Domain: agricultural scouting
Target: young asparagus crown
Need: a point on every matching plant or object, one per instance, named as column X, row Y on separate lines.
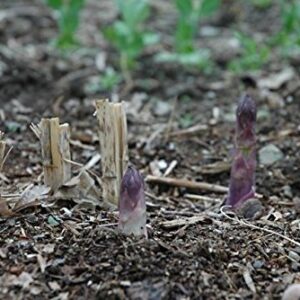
column 132, row 206
column 246, row 112
column 245, row 122
column 242, row 177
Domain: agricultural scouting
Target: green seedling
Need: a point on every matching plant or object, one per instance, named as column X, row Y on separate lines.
column 190, row 13
column 288, row 38
column 128, row 34
column 200, row 59
column 68, row 12
column 253, row 56
column 109, row 79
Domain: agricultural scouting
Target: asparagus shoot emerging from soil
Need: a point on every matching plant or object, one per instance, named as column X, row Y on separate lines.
column 242, row 177
column 132, row 206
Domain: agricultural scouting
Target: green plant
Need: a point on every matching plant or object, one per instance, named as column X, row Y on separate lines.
column 200, row 59
column 189, row 14
column 68, row 20
column 288, row 38
column 186, row 120
column 109, row 79
column 105, row 82
column 253, row 55
column 290, row 16
column 262, row 4
column 128, row 34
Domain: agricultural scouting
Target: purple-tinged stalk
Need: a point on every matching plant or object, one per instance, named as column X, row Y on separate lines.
column 132, row 206
column 242, row 177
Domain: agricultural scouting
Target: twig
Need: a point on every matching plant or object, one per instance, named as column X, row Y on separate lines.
column 84, row 168
column 5, row 158
column 249, row 281
column 189, row 131
column 187, row 184
column 170, row 168
column 247, row 224
column 202, row 198
column 36, row 130
column 183, row 221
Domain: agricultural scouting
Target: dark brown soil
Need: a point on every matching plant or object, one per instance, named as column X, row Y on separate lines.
column 80, row 254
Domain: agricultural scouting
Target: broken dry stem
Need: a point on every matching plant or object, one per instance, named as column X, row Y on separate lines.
column 56, row 154
column 113, row 147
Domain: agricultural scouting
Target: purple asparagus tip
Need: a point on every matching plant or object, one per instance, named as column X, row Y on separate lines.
column 245, row 122
column 132, row 206
column 246, row 112
column 242, row 176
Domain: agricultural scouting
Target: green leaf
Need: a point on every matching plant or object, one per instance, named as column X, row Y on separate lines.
column 68, row 21
column 150, row 38
column 55, row 4
column 110, row 79
column 166, row 57
column 184, row 36
column 208, row 7
column 185, row 7
column 199, row 59
column 127, row 34
column 262, row 4
column 133, row 12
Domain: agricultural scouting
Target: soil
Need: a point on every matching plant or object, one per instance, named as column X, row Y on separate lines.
column 70, row 250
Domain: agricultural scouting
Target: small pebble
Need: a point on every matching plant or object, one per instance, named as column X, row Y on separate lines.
column 162, row 109
column 118, row 268
column 292, row 292
column 269, row 154
column 296, row 202
column 258, row 264
column 295, row 267
column 293, row 255
column 287, row 191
